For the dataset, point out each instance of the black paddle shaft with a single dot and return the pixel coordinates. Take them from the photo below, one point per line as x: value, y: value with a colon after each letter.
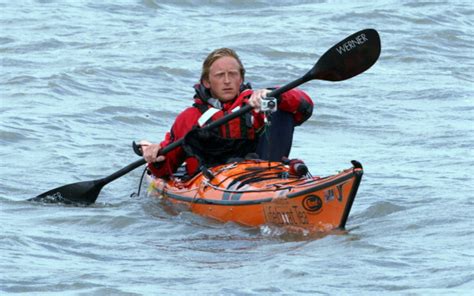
x: 346, y: 59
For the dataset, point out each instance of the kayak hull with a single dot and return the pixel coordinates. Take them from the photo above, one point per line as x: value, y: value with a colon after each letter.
x: 256, y: 192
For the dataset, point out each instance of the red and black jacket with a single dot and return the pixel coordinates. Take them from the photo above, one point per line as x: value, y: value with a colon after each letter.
x: 239, y: 132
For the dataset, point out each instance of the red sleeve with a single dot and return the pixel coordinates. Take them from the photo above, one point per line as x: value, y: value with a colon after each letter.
x: 183, y: 123
x: 297, y: 102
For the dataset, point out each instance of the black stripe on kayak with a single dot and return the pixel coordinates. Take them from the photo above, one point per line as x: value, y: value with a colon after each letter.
x: 236, y: 196
x: 353, y: 193
x: 226, y: 195
x: 231, y: 195
x: 232, y: 202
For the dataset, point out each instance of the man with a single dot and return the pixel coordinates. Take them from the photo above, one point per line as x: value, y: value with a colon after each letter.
x: 222, y: 90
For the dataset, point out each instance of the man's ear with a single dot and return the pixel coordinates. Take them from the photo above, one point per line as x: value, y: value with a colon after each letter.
x: 206, y: 83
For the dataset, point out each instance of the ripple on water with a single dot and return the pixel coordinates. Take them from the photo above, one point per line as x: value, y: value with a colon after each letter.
x: 12, y: 137
x: 380, y: 209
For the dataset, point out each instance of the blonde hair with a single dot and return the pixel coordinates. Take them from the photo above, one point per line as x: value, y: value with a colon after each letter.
x: 214, y: 56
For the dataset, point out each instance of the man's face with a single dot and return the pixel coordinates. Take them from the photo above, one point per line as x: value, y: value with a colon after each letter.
x: 224, y: 79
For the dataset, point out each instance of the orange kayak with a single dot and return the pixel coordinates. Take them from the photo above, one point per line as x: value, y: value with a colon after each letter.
x: 257, y: 192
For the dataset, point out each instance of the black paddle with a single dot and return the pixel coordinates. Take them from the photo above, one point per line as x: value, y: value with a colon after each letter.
x: 348, y: 58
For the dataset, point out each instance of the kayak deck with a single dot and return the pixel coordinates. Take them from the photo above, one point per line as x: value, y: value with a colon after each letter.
x: 257, y: 192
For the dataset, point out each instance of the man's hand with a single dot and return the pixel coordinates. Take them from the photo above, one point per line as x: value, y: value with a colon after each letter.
x: 150, y: 152
x: 255, y: 99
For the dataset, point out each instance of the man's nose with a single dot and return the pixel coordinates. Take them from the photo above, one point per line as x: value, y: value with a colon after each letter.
x: 226, y: 78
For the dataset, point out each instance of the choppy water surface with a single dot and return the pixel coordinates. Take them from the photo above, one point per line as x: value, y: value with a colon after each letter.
x: 80, y: 80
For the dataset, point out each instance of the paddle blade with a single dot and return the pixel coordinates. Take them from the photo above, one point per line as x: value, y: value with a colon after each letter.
x: 348, y: 58
x: 84, y: 193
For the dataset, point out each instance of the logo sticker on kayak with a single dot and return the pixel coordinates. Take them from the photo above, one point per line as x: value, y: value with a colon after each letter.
x: 330, y: 194
x: 312, y: 203
x: 283, y: 213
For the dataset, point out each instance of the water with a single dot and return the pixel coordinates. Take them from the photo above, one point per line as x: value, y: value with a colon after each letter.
x: 80, y: 80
